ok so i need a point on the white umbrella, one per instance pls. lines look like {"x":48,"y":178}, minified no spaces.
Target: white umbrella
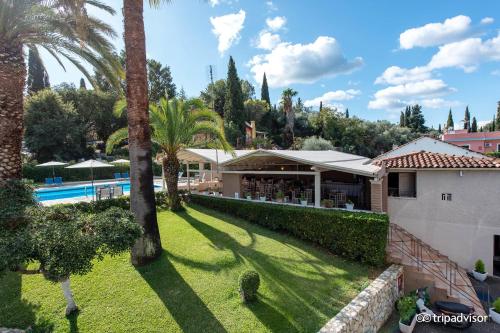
{"x":90,"y":164}
{"x":52,"y":164}
{"x":121,"y":161}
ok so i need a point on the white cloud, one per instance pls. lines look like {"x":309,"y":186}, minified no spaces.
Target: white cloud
{"x":487,"y":20}
{"x":424,"y":92}
{"x":438,"y":103}
{"x":331,"y":96}
{"x":268,"y":40}
{"x":271,"y":6}
{"x":495,"y":72}
{"x":227,"y":29}
{"x":397,"y":75}
{"x":291,"y":63}
{"x":214,"y":3}
{"x":467,"y":54}
{"x":276,"y":23}
{"x":433,"y":34}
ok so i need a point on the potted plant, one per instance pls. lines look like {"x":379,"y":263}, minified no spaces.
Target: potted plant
{"x":479,"y":272}
{"x":327,"y":203}
{"x":407,"y":309}
{"x":280,"y":196}
{"x":248,"y":195}
{"x":349,"y":205}
{"x":262,"y":198}
{"x":495,"y":311}
{"x":303,"y":199}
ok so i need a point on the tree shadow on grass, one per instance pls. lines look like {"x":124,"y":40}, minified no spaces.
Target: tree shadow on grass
{"x":16,"y":312}
{"x":185,"y":306}
{"x":288,"y":280}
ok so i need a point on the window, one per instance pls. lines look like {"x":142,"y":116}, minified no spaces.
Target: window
{"x":402,"y":184}
{"x":487,"y":144}
{"x":498,"y":147}
{"x":446,"y":196}
{"x":496,"y":255}
{"x":465,"y":146}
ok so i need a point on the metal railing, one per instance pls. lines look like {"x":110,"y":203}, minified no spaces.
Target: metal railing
{"x":432,"y":261}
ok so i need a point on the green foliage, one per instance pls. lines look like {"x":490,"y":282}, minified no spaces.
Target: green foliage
{"x":248,"y":90}
{"x":214,"y":96}
{"x":160,"y":82}
{"x":233,"y":106}
{"x":450,"y":123}
{"x":256,"y":110}
{"x":249,"y":283}
{"x":316,"y":143}
{"x":496,"y":305}
{"x":467,"y":125}
{"x":53,"y":129}
{"x":354,"y":235}
{"x":473,"y":127}
{"x":494,"y":154}
{"x":264,"y":91}
{"x":407,"y":308}
{"x":479,"y":266}
{"x":38,"y":79}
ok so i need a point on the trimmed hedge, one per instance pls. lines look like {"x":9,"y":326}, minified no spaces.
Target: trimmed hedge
{"x":353,"y":235}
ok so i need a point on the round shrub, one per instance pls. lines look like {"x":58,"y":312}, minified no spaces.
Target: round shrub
{"x":479,"y":267}
{"x":249,"y":284}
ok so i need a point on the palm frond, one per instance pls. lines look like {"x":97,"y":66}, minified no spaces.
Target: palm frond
{"x":116,"y":138}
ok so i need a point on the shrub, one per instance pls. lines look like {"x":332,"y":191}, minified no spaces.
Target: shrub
{"x":353,"y":235}
{"x":496,"y":305}
{"x":327,"y":203}
{"x":479,"y":267}
{"x":316,"y":143}
{"x":407,"y":308}
{"x":249,"y":283}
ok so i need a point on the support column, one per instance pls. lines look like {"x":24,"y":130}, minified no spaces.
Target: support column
{"x":377,"y":195}
{"x":317,"y":189}
{"x":188,"y":177}
{"x":201,"y":167}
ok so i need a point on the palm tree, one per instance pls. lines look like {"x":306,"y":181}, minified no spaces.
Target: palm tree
{"x":63,"y":30}
{"x":286,"y":97}
{"x":177,"y":124}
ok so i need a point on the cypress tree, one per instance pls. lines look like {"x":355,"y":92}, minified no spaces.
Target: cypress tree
{"x":497,"y":125}
{"x":473,"y":127}
{"x":264,"y":91}
{"x":449,"y":122}
{"x":320,"y":106}
{"x":467,"y":119}
{"x":492,"y":125}
{"x":407,"y":116}
{"x":402,"y":119}
{"x":82,"y":84}
{"x":38,"y":78}
{"x":234,"y":106}
{"x":347,"y":113}
{"x":439,"y":129}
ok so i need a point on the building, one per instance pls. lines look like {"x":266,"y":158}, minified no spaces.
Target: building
{"x":482,"y":142}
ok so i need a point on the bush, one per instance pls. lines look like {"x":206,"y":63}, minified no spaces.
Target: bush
{"x":249,"y":283}
{"x":479,"y":267}
{"x":316,"y":143}
{"x":496,"y":305}
{"x":353,"y":235}
{"x":407,"y":308}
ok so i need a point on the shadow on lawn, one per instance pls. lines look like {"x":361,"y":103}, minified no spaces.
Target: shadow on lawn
{"x":187,"y":309}
{"x":286,"y":278}
{"x":15,"y":312}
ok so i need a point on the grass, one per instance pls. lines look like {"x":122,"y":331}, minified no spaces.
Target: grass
{"x":192,"y":287}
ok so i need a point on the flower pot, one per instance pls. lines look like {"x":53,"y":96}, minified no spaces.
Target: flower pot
{"x":408,"y":328}
{"x":249,"y":197}
{"x":479,"y":276}
{"x":236,"y":195}
{"x":495,"y":316}
{"x":349,"y":206}
{"x":279,"y":200}
{"x":303,"y":202}
{"x":205,"y":192}
{"x":262,"y":198}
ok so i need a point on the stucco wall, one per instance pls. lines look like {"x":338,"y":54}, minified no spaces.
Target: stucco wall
{"x":368,"y":311}
{"x":231,"y":184}
{"x":463,"y":228}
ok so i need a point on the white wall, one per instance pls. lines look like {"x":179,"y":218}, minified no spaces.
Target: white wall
{"x":463,"y":228}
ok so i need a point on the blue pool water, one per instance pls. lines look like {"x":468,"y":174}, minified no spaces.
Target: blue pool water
{"x":73,"y":191}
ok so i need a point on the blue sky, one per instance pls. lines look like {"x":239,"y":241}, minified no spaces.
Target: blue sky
{"x":372,"y":57}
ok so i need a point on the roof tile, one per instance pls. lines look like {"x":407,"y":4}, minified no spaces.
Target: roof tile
{"x":428,"y":160}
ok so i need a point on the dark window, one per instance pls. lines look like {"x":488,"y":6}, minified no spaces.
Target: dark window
{"x":496,"y":255}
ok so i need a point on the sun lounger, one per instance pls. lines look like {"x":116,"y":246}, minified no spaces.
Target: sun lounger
{"x":117,"y":191}
{"x":117,"y":175}
{"x":125,"y":175}
{"x":58,"y":180}
{"x":49,"y":181}
{"x":103,"y":193}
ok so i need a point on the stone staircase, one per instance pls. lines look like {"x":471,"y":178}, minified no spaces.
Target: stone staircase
{"x":425,"y":266}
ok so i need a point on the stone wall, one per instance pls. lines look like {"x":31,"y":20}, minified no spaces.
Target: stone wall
{"x":372,"y":307}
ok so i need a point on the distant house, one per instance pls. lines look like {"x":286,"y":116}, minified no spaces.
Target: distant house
{"x":482,"y":142}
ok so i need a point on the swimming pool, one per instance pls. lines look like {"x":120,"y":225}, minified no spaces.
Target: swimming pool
{"x":74,"y":191}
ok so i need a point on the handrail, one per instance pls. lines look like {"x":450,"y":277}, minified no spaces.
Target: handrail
{"x":416,"y":252}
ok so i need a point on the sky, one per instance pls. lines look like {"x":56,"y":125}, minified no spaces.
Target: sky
{"x":372,"y":57}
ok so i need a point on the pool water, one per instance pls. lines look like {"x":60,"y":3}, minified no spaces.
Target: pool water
{"x":73,"y":191}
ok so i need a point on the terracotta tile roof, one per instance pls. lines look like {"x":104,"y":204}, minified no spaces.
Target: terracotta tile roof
{"x":427,"y":160}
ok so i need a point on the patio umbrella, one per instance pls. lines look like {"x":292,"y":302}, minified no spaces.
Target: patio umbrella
{"x":121,"y":161}
{"x":90,"y":164}
{"x":52,"y":164}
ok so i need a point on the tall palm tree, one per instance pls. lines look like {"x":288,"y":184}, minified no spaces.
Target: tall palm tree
{"x":287,"y":100}
{"x":177,"y":124}
{"x":62,"y":28}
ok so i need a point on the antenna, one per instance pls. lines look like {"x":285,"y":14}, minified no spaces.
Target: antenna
{"x":211,"y":73}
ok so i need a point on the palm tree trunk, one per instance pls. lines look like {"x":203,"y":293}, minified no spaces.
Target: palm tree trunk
{"x":12,"y":79}
{"x":171,"y":168}
{"x":142,"y":198}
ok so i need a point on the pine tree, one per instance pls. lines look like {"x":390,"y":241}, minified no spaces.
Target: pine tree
{"x":497,"y":123}
{"x":182,"y":94}
{"x":467,"y":119}
{"x":473,"y":127}
{"x":449,"y":122}
{"x":407,"y":116}
{"x":347,"y":113}
{"x":82,"y":84}
{"x":234,"y":107}
{"x":417,"y":120}
{"x":402,"y":119}
{"x":38,"y":78}
{"x":264,"y":91}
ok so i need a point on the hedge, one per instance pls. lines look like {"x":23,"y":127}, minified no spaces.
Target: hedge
{"x":353,"y":235}
{"x":38,"y":175}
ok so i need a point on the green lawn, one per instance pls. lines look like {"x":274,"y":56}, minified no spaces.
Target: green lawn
{"x":193,"y":286}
